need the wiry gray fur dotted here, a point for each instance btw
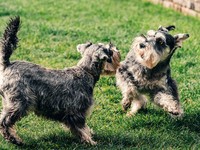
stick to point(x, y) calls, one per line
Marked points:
point(9, 41)
point(62, 95)
point(146, 70)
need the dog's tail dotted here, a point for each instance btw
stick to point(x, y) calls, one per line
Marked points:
point(9, 41)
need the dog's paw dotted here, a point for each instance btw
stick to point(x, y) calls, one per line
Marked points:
point(126, 106)
point(93, 142)
point(16, 141)
point(130, 114)
point(92, 131)
point(89, 141)
point(176, 115)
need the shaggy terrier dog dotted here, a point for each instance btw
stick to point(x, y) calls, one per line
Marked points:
point(146, 70)
point(61, 95)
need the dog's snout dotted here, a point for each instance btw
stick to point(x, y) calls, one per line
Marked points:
point(187, 35)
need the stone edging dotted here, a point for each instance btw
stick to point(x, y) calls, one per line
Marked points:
point(187, 7)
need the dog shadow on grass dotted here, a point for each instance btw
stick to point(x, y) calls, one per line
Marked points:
point(119, 140)
point(66, 141)
point(188, 121)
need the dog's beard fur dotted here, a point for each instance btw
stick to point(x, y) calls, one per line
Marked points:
point(145, 56)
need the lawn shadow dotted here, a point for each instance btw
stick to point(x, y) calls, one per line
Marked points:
point(121, 140)
point(190, 121)
point(51, 142)
point(65, 141)
point(62, 141)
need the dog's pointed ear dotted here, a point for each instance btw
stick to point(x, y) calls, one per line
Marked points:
point(179, 38)
point(110, 44)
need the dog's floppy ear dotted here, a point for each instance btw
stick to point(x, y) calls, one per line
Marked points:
point(166, 29)
point(82, 47)
point(170, 28)
point(179, 38)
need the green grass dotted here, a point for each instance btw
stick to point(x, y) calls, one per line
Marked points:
point(49, 34)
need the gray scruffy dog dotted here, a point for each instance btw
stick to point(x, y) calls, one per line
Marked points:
point(61, 95)
point(146, 70)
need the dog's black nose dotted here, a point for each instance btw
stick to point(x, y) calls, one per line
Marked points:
point(110, 52)
point(187, 35)
point(109, 60)
point(142, 45)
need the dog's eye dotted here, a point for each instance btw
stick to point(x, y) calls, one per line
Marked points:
point(160, 41)
point(142, 45)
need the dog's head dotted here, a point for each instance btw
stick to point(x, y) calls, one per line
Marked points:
point(95, 51)
point(105, 53)
point(110, 68)
point(156, 46)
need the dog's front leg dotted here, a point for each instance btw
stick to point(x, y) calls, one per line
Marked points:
point(169, 103)
point(77, 125)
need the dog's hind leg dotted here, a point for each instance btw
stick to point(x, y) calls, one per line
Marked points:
point(169, 99)
point(12, 112)
point(77, 125)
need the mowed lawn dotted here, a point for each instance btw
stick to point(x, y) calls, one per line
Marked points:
point(49, 34)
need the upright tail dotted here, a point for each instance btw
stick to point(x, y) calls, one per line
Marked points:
point(9, 41)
